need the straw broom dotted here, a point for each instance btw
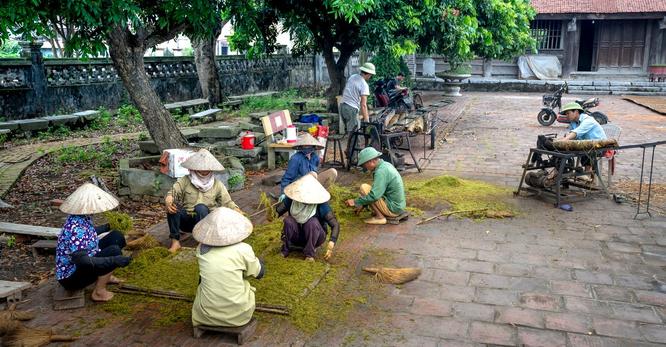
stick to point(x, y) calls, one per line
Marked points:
point(7, 325)
point(12, 314)
point(29, 337)
point(394, 275)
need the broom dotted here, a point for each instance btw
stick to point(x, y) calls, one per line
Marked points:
point(12, 314)
point(29, 337)
point(7, 325)
point(144, 242)
point(394, 275)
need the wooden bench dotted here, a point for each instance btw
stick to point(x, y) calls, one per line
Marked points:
point(25, 229)
point(64, 299)
point(233, 104)
point(242, 333)
point(43, 244)
point(210, 113)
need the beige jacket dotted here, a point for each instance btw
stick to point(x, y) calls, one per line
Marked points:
point(186, 195)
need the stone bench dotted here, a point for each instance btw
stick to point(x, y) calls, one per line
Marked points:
point(25, 229)
point(44, 245)
point(12, 291)
point(32, 124)
point(300, 104)
point(187, 106)
point(233, 104)
point(62, 119)
point(11, 125)
point(5, 131)
point(246, 96)
point(88, 115)
point(207, 114)
point(242, 333)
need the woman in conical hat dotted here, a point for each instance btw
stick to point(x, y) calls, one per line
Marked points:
point(309, 218)
point(81, 258)
point(306, 160)
point(193, 196)
point(224, 296)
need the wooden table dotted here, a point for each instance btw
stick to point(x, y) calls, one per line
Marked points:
point(278, 147)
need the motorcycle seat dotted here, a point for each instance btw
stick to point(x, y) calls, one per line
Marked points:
point(585, 101)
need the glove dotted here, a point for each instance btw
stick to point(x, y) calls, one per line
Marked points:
point(281, 198)
point(121, 261)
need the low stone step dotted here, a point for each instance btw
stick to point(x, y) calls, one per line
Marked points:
point(226, 131)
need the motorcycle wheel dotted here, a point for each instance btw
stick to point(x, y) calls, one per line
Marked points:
point(599, 117)
point(546, 118)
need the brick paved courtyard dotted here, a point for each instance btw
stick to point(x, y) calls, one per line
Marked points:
point(591, 277)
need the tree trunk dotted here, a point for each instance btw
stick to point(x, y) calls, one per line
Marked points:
point(336, 73)
point(127, 54)
point(204, 58)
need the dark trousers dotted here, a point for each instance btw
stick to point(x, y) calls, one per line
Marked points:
point(184, 221)
point(309, 236)
point(110, 245)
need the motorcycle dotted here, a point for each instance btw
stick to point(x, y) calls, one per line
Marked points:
point(547, 116)
point(398, 99)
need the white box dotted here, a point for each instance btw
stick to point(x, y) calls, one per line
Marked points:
point(175, 157)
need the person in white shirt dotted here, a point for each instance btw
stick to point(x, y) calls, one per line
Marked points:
point(355, 98)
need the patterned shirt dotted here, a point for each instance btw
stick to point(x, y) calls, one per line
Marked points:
point(77, 234)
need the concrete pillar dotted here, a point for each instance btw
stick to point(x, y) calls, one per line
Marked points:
point(36, 78)
point(487, 68)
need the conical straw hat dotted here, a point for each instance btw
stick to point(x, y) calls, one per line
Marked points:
point(307, 140)
point(88, 199)
point(222, 227)
point(307, 190)
point(202, 160)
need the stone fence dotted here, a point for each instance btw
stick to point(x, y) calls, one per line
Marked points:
point(34, 87)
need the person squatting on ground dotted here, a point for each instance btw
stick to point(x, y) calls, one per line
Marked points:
point(309, 218)
point(85, 254)
point(192, 197)
point(304, 161)
point(224, 296)
point(386, 196)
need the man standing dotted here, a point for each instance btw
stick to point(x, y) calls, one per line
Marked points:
point(386, 196)
point(355, 98)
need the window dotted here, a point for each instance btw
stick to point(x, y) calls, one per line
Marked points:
point(548, 33)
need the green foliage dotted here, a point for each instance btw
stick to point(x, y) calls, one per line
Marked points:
point(3, 139)
point(101, 122)
point(10, 49)
point(54, 132)
point(119, 221)
point(102, 154)
point(236, 180)
point(128, 115)
point(143, 136)
point(388, 65)
point(188, 51)
point(11, 241)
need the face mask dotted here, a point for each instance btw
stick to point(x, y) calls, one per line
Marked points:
point(307, 150)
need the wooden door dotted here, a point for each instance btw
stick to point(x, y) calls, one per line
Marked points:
point(619, 45)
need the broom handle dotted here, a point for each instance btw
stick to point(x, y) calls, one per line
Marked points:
point(448, 213)
point(371, 269)
point(263, 209)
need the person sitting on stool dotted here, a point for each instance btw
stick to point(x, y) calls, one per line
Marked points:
point(386, 196)
point(193, 196)
point(582, 126)
point(304, 161)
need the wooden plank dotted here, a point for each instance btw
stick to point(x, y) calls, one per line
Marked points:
point(11, 289)
point(26, 229)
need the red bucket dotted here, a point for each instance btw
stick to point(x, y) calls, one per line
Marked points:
point(247, 141)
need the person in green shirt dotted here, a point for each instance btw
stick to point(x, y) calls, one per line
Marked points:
point(224, 296)
point(193, 196)
point(386, 196)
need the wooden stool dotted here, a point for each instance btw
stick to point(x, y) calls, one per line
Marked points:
point(64, 299)
point(43, 244)
point(337, 146)
point(397, 220)
point(242, 333)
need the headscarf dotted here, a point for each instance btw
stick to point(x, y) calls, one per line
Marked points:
point(302, 212)
point(203, 183)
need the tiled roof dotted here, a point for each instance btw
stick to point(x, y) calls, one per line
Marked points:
point(598, 6)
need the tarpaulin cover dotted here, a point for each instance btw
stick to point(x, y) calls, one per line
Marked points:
point(543, 67)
